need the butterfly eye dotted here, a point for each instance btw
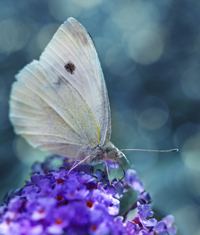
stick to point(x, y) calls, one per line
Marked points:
point(112, 154)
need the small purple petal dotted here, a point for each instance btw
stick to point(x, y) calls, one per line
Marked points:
point(133, 181)
point(160, 227)
point(143, 232)
point(149, 223)
point(144, 211)
point(168, 220)
point(144, 198)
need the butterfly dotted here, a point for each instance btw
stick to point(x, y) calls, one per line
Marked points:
point(60, 104)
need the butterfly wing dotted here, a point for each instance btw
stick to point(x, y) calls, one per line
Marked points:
point(72, 47)
point(52, 102)
point(50, 113)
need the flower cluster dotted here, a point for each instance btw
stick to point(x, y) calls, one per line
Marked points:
point(81, 202)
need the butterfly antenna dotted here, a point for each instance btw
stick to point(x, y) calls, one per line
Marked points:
point(149, 150)
point(107, 172)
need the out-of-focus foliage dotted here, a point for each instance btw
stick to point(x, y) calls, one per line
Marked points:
point(150, 55)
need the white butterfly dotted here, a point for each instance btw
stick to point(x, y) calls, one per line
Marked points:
point(60, 103)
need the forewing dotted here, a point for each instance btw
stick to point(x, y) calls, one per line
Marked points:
point(50, 113)
point(72, 54)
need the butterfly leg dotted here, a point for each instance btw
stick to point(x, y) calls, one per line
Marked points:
point(74, 166)
point(123, 170)
point(107, 172)
point(116, 175)
point(92, 170)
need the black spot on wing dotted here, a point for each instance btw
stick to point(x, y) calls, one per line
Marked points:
point(70, 67)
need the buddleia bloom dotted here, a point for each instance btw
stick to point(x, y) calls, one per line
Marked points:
point(82, 202)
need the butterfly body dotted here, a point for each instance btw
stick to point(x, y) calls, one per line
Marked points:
point(60, 102)
point(102, 154)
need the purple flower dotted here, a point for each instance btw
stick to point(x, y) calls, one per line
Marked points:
point(53, 202)
point(165, 226)
point(143, 212)
point(133, 181)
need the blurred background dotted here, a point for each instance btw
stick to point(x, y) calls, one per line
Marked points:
point(150, 55)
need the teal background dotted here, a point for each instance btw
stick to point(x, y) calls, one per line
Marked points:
point(150, 56)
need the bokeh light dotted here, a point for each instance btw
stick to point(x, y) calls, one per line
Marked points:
point(149, 52)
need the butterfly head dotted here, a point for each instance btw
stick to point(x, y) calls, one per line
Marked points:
point(113, 154)
point(110, 152)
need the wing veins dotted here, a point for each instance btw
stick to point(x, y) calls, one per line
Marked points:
point(63, 107)
point(56, 112)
